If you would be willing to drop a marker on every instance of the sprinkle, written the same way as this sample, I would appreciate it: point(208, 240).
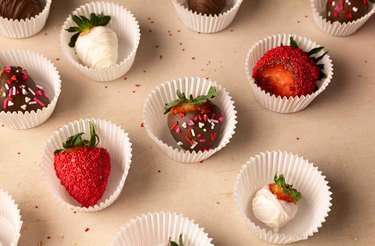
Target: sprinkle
point(189, 140)
point(10, 103)
point(355, 9)
point(220, 119)
point(184, 125)
point(6, 86)
point(205, 117)
point(31, 90)
point(212, 125)
point(4, 94)
point(24, 107)
point(201, 124)
point(14, 91)
point(27, 99)
point(189, 131)
point(32, 102)
point(204, 130)
point(178, 130)
point(39, 102)
point(40, 87)
point(213, 136)
point(24, 92)
point(202, 140)
point(179, 143)
point(174, 126)
point(10, 92)
point(193, 146)
point(214, 121)
point(192, 132)
point(5, 103)
point(199, 135)
point(181, 115)
point(46, 95)
point(191, 123)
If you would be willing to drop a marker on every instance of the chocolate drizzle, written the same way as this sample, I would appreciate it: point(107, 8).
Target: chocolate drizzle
point(208, 7)
point(18, 92)
point(20, 9)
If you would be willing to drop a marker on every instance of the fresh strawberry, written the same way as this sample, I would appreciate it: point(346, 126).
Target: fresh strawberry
point(195, 122)
point(95, 43)
point(83, 168)
point(288, 71)
point(284, 191)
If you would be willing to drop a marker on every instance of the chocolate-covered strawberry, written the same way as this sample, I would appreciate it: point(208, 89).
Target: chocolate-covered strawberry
point(83, 168)
point(195, 122)
point(347, 10)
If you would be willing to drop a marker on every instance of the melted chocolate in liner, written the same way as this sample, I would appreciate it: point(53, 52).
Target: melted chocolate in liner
point(20, 9)
point(346, 10)
point(196, 130)
point(18, 92)
point(208, 7)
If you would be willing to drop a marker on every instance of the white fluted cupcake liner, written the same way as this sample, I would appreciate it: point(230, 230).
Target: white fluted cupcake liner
point(10, 220)
point(155, 121)
point(123, 23)
point(44, 73)
point(285, 104)
point(336, 28)
point(25, 28)
point(113, 138)
point(155, 229)
point(207, 23)
point(313, 208)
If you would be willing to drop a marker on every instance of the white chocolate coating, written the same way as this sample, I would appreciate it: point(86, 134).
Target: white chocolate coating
point(271, 211)
point(98, 48)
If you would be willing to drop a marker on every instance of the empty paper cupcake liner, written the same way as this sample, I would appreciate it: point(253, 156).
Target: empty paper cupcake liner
point(207, 23)
point(44, 73)
point(313, 208)
point(155, 121)
point(25, 28)
point(123, 23)
point(336, 28)
point(112, 138)
point(10, 220)
point(285, 104)
point(155, 229)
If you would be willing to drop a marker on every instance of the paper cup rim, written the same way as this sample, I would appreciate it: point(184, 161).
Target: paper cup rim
point(19, 222)
point(43, 12)
point(235, 6)
point(112, 197)
point(285, 104)
point(127, 59)
point(345, 24)
point(53, 102)
point(183, 151)
point(132, 222)
point(256, 229)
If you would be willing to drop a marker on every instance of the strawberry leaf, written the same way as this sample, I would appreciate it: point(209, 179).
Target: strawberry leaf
point(173, 243)
point(287, 189)
point(292, 42)
point(314, 51)
point(73, 40)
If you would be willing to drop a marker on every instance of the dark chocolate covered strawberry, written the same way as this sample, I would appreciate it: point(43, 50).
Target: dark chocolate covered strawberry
point(83, 168)
point(195, 122)
point(346, 10)
point(288, 71)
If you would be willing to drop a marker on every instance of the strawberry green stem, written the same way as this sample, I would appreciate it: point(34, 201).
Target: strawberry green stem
point(287, 189)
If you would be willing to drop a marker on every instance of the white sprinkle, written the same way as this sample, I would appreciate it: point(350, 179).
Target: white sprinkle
point(4, 94)
point(355, 9)
point(23, 86)
point(17, 71)
point(212, 125)
point(7, 86)
point(193, 146)
point(32, 102)
point(200, 124)
point(14, 91)
point(204, 130)
point(40, 87)
point(193, 132)
point(184, 125)
point(27, 99)
point(179, 143)
point(10, 103)
point(24, 92)
point(329, 13)
point(31, 90)
point(215, 121)
point(24, 107)
point(333, 3)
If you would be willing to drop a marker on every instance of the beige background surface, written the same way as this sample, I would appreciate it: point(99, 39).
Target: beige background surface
point(335, 132)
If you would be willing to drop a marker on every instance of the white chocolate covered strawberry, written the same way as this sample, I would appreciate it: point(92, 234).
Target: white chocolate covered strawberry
point(276, 204)
point(95, 43)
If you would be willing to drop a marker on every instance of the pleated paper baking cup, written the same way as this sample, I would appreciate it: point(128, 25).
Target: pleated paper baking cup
point(155, 121)
point(155, 229)
point(313, 208)
point(123, 23)
point(207, 23)
point(45, 74)
point(25, 28)
point(336, 28)
point(112, 138)
point(10, 220)
point(285, 104)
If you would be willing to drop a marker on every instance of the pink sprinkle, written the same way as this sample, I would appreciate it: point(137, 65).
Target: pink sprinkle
point(220, 119)
point(46, 95)
point(5, 103)
point(10, 92)
point(191, 123)
point(202, 140)
point(7, 69)
point(178, 130)
point(38, 101)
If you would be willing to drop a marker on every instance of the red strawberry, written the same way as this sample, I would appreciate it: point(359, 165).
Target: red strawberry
point(288, 71)
point(83, 168)
point(284, 191)
point(195, 122)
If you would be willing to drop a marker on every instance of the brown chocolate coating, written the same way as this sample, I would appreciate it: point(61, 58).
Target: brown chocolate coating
point(196, 130)
point(20, 9)
point(208, 7)
point(18, 92)
point(346, 10)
